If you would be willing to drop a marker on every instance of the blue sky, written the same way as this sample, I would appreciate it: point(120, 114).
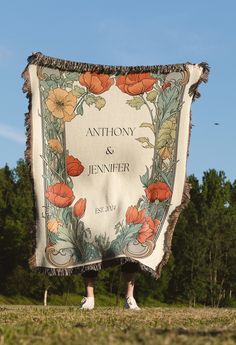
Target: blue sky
point(127, 32)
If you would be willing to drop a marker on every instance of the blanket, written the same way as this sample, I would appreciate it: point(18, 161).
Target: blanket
point(107, 149)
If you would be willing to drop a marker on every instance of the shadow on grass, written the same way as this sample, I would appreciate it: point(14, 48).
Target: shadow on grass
point(196, 333)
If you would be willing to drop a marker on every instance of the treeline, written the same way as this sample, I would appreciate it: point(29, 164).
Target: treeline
point(201, 269)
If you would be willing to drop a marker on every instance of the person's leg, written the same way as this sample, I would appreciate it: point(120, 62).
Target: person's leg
point(129, 269)
point(129, 279)
point(89, 282)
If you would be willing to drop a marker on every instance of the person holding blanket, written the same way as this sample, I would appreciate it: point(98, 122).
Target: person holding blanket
point(128, 269)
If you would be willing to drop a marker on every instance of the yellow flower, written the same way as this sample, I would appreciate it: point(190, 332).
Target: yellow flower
point(53, 225)
point(61, 104)
point(55, 145)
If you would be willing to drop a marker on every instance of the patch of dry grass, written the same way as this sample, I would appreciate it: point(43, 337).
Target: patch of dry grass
point(68, 325)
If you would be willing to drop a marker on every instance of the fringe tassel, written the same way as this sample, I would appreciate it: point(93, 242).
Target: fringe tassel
point(32, 262)
point(94, 267)
point(28, 158)
point(193, 90)
point(170, 229)
point(66, 65)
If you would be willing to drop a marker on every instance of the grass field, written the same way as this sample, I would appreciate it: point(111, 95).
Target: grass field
point(68, 325)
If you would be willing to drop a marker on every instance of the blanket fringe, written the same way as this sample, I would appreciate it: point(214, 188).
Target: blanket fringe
point(37, 58)
point(94, 267)
point(32, 262)
point(193, 90)
point(170, 229)
point(28, 158)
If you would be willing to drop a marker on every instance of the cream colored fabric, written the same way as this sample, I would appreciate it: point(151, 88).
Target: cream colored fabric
point(93, 137)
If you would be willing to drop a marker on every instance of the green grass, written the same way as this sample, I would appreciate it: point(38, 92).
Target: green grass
point(70, 299)
point(68, 325)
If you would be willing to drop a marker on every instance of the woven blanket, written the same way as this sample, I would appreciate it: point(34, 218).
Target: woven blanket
point(107, 148)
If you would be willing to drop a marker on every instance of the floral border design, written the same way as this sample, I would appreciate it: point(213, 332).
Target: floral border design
point(162, 96)
point(63, 96)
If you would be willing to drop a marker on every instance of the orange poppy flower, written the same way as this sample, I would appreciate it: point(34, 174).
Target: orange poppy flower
point(148, 230)
point(135, 83)
point(133, 216)
point(73, 166)
point(95, 82)
point(158, 191)
point(60, 195)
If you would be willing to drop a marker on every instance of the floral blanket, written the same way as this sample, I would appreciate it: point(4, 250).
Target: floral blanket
point(107, 149)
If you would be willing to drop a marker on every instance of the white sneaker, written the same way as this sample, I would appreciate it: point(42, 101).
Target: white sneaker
point(87, 303)
point(130, 303)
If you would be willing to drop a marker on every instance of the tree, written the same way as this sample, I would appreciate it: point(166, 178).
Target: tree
point(204, 243)
point(189, 250)
point(8, 235)
point(200, 270)
point(219, 236)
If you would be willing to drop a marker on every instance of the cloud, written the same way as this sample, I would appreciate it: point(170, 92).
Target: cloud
point(12, 134)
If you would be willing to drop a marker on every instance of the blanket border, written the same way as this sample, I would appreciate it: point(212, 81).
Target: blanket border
point(51, 62)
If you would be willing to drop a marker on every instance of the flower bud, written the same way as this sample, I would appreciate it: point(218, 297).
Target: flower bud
point(79, 208)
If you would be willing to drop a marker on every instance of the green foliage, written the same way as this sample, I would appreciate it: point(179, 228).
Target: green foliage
point(168, 102)
point(201, 269)
point(204, 244)
point(16, 216)
point(146, 142)
point(136, 102)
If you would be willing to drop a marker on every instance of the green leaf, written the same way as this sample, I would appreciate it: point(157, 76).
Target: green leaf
point(167, 134)
point(145, 140)
point(164, 177)
point(67, 215)
point(136, 102)
point(72, 75)
point(69, 84)
point(145, 178)
point(152, 209)
point(152, 95)
point(79, 110)
point(160, 210)
point(53, 237)
point(100, 103)
point(51, 84)
point(70, 183)
point(78, 91)
point(90, 99)
point(131, 233)
point(168, 102)
point(44, 84)
point(60, 83)
point(118, 227)
point(148, 125)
